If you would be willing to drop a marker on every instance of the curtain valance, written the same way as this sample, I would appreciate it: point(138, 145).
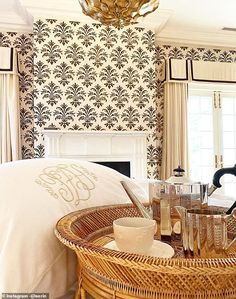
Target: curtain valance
point(9, 61)
point(178, 70)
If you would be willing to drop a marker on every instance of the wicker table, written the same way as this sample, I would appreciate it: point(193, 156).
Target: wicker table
point(105, 273)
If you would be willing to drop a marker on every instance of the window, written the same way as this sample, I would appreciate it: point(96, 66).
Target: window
point(212, 133)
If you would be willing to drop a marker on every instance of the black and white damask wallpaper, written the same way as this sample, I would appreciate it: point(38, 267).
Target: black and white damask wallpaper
point(89, 77)
point(94, 77)
point(23, 42)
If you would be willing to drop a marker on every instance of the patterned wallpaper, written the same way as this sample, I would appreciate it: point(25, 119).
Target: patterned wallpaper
point(94, 77)
point(23, 42)
point(88, 77)
point(91, 77)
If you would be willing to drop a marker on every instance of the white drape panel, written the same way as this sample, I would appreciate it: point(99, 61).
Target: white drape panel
point(10, 149)
point(175, 145)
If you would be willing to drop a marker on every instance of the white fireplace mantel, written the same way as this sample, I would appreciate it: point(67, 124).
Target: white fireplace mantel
point(100, 146)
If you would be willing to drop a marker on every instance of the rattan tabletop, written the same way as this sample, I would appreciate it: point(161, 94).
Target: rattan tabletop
point(137, 276)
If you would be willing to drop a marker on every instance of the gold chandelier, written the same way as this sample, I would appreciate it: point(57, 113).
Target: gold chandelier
point(118, 13)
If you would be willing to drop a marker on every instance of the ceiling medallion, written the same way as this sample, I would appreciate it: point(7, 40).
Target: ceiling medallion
point(118, 13)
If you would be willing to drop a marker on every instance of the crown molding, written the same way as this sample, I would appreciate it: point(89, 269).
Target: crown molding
point(15, 28)
point(25, 11)
point(213, 39)
point(22, 11)
point(16, 19)
point(156, 21)
point(56, 9)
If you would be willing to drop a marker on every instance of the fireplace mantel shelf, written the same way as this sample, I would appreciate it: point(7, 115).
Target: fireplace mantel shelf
point(96, 133)
point(100, 146)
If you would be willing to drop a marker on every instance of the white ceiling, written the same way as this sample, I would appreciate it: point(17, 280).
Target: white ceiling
point(181, 21)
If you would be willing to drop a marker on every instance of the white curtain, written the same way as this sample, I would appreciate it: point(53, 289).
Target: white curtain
point(10, 139)
point(177, 73)
point(175, 145)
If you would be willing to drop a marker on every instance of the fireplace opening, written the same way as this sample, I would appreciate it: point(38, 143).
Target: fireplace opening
point(121, 166)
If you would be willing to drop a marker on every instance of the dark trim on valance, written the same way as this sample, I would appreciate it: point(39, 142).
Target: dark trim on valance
point(170, 70)
point(182, 70)
point(11, 63)
point(204, 80)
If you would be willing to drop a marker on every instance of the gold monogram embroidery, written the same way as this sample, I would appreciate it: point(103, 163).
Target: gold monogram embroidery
point(71, 183)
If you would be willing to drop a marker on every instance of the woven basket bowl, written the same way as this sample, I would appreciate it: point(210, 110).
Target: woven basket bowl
point(87, 230)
